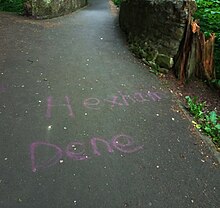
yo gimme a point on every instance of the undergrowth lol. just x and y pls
(208, 122)
(12, 6)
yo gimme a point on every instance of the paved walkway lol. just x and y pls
(84, 124)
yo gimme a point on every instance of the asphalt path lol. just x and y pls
(85, 124)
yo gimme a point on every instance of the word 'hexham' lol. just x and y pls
(94, 103)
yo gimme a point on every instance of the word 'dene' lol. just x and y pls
(75, 150)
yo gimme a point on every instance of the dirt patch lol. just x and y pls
(193, 88)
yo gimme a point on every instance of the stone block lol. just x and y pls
(41, 9)
(164, 61)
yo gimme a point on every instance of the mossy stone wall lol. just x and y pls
(41, 9)
(155, 28)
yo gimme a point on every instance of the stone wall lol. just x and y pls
(41, 9)
(155, 28)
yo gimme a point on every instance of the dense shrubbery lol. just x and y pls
(12, 5)
(208, 13)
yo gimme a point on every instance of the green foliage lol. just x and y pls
(195, 107)
(12, 5)
(208, 13)
(208, 122)
(117, 2)
(212, 127)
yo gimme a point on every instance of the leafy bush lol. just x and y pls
(208, 122)
(12, 5)
(208, 13)
(195, 108)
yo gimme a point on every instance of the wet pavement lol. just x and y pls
(84, 124)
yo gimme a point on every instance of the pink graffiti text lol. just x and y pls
(2, 88)
(75, 150)
(93, 103)
(50, 105)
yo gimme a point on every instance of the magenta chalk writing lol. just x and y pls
(138, 96)
(52, 161)
(113, 101)
(50, 105)
(76, 150)
(154, 96)
(126, 98)
(2, 88)
(125, 144)
(94, 145)
(123, 100)
(69, 106)
(72, 151)
(92, 103)
(119, 100)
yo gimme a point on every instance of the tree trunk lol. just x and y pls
(196, 54)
